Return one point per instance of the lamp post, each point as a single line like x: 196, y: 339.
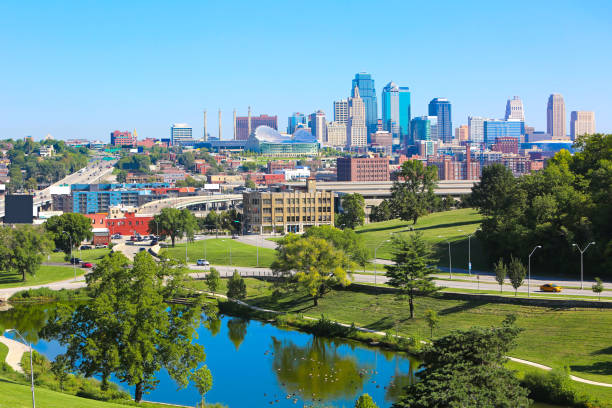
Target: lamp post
x: 375, y: 269
x: 470, y: 251
x: 582, y: 251
x: 31, y: 364
x: 71, y: 260
x: 529, y: 269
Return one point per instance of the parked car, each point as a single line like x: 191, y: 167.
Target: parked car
x: 86, y: 265
x: 550, y: 287
x: 202, y: 262
x: 116, y: 236
x: 84, y: 247
x: 141, y: 249
x: 75, y: 261
x: 101, y: 246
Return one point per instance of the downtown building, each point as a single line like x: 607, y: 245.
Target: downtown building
x: 396, y: 112
x: 441, y: 107
x: 126, y: 138
x: 181, y: 134
x: 294, y: 120
x: 362, y: 168
x: 357, y: 131
x: 318, y: 125
x: 245, y: 125
x: 363, y: 87
x: 494, y: 129
x: 582, y: 123
x: 555, y: 117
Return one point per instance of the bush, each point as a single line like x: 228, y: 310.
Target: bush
x: 554, y: 387
x: 35, y: 295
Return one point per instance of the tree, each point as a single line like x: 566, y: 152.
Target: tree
x: 121, y: 176
x: 22, y: 249
x: 598, y: 287
x: 411, y: 269
x: 60, y: 368
x: 249, y: 183
x: 381, y: 212
x: 495, y: 191
x: 69, y: 228
x: 346, y: 240
x: 202, y: 378
x: 365, y: 401
x: 466, y: 369
x: 213, y: 280
x: 174, y: 223
x: 315, y: 263
x: 353, y: 213
x: 432, y: 320
x: 501, y: 271
x: 236, y: 288
x: 127, y: 328
x: 412, y: 195
x: 516, y: 273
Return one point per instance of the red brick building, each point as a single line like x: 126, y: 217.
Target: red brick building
x: 122, y: 138
x: 508, y: 145
x: 129, y: 224
x: 275, y: 165
x: 362, y: 168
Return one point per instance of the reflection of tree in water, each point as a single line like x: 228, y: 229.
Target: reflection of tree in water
x: 400, y: 380
x: 28, y: 319
x: 237, y: 329
x: 317, y: 371
x: 213, y: 324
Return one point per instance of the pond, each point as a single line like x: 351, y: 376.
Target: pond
x: 255, y: 364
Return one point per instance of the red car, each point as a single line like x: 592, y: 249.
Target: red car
x: 86, y: 265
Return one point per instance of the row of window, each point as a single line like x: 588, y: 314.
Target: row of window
x: 304, y: 218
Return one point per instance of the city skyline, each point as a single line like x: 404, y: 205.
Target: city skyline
x: 66, y: 78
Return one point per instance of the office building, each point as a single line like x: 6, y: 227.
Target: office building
x: 341, y: 111
x: 362, y: 168
x: 441, y: 107
x: 582, y: 123
x: 290, y: 210
x: 364, y: 82
x: 247, y: 124
x: 294, y: 120
x: 555, y: 117
x: 126, y: 138
x: 514, y: 109
x: 318, y: 125
x: 383, y: 140
x: 181, y: 133
x: 476, y: 129
x: 508, y: 145
x: 405, y: 114
x: 462, y: 133
x: 336, y: 134
x: 494, y: 129
x: 424, y: 128
x: 357, y: 132
x: 391, y: 110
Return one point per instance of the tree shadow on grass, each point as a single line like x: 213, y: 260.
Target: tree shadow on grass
x: 409, y: 227
x: 607, y: 350
x: 10, y: 278
x: 382, y: 324
x: 600, y: 367
x: 464, y: 306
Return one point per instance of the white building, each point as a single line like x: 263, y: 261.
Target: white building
x: 555, y: 117
x: 514, y: 109
x: 336, y: 134
x: 341, y: 111
x: 181, y: 133
x: 47, y: 151
x: 582, y: 123
x: 318, y: 126
x: 357, y: 132
x: 299, y: 173
x: 476, y: 128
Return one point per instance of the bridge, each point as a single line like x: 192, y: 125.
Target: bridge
x: 203, y: 203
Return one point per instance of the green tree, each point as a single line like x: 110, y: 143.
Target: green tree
x: 353, y: 211
x: 516, y: 273
x: 59, y: 368
x: 236, y: 288
x: 432, y: 320
x: 466, y: 369
x: 346, y: 240
x: 365, y: 401
x: 202, y: 378
x: 174, y: 223
x: 23, y: 248
x: 598, y: 287
x: 121, y: 176
x: 412, y: 195
x: 69, y: 228
x: 501, y: 271
x: 249, y: 183
x: 411, y: 271
x: 213, y: 280
x: 316, y: 264
x: 381, y: 212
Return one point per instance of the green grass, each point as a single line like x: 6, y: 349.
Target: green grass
x: 218, y: 252
x: 453, y: 225
x: 3, y: 352
x: 87, y: 255
x: 46, y: 274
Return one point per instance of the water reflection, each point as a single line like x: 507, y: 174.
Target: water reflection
x: 236, y: 331
x: 28, y: 319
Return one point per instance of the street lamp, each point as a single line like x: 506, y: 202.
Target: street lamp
x: 71, y: 259
x: 470, y: 251
x: 375, y: 270
x: 529, y: 268
x: 582, y: 251
x: 31, y: 364
x: 450, y: 259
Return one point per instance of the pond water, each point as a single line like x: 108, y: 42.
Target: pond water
x: 256, y: 364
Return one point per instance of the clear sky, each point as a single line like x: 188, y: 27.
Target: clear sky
x: 85, y: 68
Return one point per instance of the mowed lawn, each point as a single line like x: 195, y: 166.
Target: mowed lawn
x: 87, y: 255
x: 45, y: 274
x: 437, y: 228
x: 222, y: 251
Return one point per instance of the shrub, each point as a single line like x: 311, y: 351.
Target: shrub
x: 554, y: 387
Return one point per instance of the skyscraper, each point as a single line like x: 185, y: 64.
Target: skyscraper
x: 582, y: 123
x: 391, y: 110
x: 494, y: 129
x: 294, y: 120
x: 365, y: 83
x: 405, y: 114
x: 441, y: 107
x: 462, y: 133
x: 421, y: 128
x: 476, y: 129
x: 514, y: 109
x: 341, y: 111
x: 357, y: 131
x: 555, y: 117
x: 318, y: 125
x: 180, y: 133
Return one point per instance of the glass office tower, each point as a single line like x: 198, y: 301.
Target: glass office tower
x: 441, y: 107
x: 367, y: 92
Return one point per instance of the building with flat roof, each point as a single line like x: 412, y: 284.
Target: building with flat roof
x: 243, y: 126
x: 441, y: 107
x: 126, y: 138
x: 582, y: 123
x: 365, y: 84
x: 555, y: 117
x: 494, y: 129
x: 362, y: 168
x: 181, y: 133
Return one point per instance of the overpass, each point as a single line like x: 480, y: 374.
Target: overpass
x: 203, y: 203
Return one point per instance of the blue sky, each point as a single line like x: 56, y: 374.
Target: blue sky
x: 85, y: 68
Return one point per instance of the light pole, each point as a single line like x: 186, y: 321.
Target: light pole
x: 470, y: 251
x: 582, y: 251
x: 31, y: 364
x: 529, y: 269
x: 375, y: 269
x: 71, y: 259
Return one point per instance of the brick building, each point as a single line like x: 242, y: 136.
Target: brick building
x: 508, y: 145
x: 362, y: 168
x: 275, y: 165
x: 118, y: 138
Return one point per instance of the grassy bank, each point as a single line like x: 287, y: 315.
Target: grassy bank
x: 87, y: 255
x: 46, y: 274
x: 217, y: 252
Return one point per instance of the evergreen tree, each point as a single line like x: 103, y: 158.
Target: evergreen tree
x: 236, y: 288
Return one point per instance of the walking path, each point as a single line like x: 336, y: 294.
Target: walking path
x: 15, y: 352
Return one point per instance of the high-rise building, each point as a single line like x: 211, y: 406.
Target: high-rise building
x: 441, y: 107
x: 514, y: 109
x: 246, y: 123
x: 405, y: 114
x: 126, y: 138
x: 582, y: 123
x: 317, y: 124
x: 391, y: 110
x: 494, y: 129
x: 357, y: 132
x: 336, y: 134
x: 294, y: 120
x: 555, y: 117
x: 476, y: 129
x: 341, y: 111
x: 181, y: 133
x: 365, y: 83
x: 462, y: 133
x: 421, y: 128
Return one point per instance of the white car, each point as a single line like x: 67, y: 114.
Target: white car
x: 202, y: 262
